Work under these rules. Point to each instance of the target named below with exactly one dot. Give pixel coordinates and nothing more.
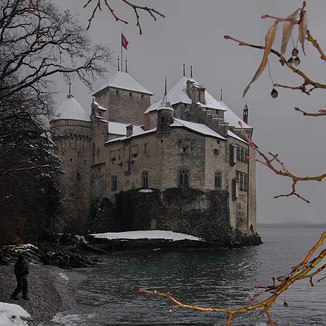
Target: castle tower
(124, 98)
(71, 133)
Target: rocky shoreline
(48, 292)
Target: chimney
(130, 130)
(245, 114)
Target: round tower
(71, 134)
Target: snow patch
(64, 276)
(149, 234)
(13, 315)
(146, 190)
(22, 247)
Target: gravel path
(48, 293)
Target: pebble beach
(48, 293)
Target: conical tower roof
(71, 109)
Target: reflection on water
(107, 294)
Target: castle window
(242, 154)
(116, 92)
(218, 180)
(184, 178)
(235, 189)
(130, 94)
(242, 180)
(144, 179)
(233, 154)
(215, 151)
(142, 96)
(114, 183)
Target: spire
(164, 103)
(126, 70)
(221, 96)
(190, 71)
(118, 64)
(184, 70)
(245, 113)
(166, 86)
(69, 90)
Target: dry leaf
(287, 30)
(303, 27)
(269, 40)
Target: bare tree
(98, 4)
(37, 42)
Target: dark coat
(21, 267)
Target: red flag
(124, 41)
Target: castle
(180, 164)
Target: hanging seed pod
(296, 61)
(295, 52)
(274, 93)
(290, 60)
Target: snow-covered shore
(47, 291)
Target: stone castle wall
(118, 100)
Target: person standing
(21, 272)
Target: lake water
(108, 293)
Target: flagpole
(121, 52)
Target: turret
(164, 120)
(71, 133)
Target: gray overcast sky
(193, 33)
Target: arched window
(184, 178)
(144, 179)
(218, 180)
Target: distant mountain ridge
(291, 225)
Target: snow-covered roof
(231, 118)
(117, 128)
(233, 135)
(178, 94)
(150, 234)
(71, 109)
(123, 80)
(100, 107)
(197, 127)
(136, 132)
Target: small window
(242, 180)
(242, 154)
(215, 151)
(218, 180)
(184, 178)
(114, 183)
(116, 92)
(234, 189)
(142, 95)
(233, 154)
(130, 94)
(144, 179)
